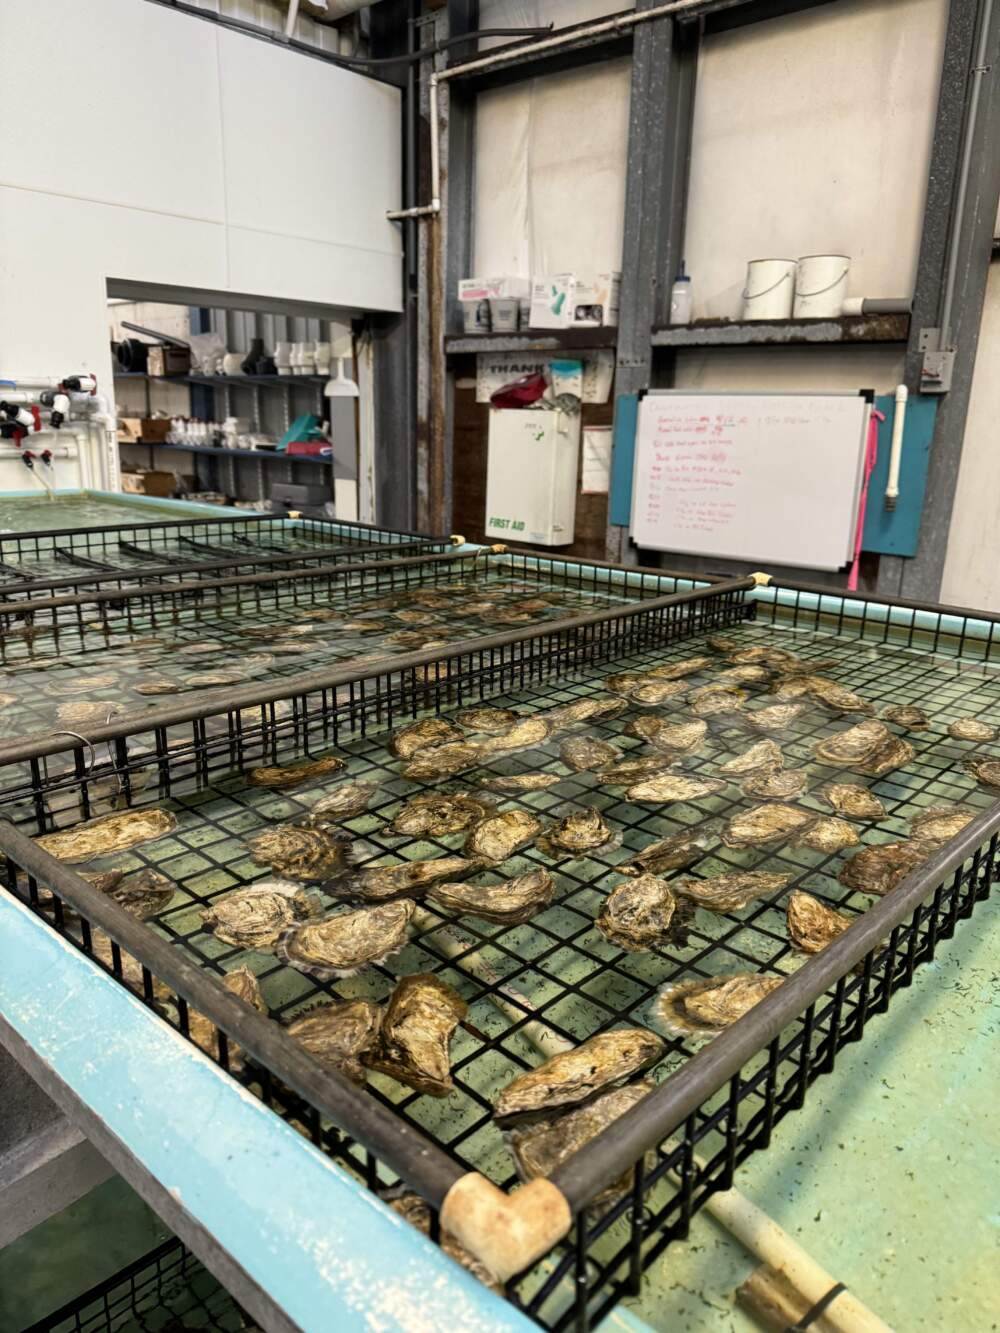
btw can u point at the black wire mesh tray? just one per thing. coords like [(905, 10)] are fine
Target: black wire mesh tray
[(555, 980)]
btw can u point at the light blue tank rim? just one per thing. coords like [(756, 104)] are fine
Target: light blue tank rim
[(878, 615), (325, 1250)]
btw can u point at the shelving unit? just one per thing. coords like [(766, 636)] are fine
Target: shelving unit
[(860, 330), (539, 340), (259, 455), (223, 381)]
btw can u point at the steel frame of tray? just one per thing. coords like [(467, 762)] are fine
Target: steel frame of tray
[(93, 551), (684, 1140)]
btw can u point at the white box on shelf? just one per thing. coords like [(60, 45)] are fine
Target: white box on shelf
[(544, 447), (475, 295), (552, 301), (596, 299)]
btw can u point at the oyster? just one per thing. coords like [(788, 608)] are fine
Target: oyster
[(574, 1077), (744, 675), (706, 1008), (80, 684), (110, 833), (583, 753), (675, 670), (777, 784), (414, 1039), (835, 696), (486, 719), (284, 776), (985, 771), (662, 734), (629, 770), (584, 710), (88, 712), (765, 823), (521, 782), (853, 801), (143, 894), (726, 893), (674, 853), (339, 1036), (443, 761), (382, 883), (755, 653), (880, 868), (624, 682), (653, 692), (507, 903), (938, 823), (208, 680), (419, 735), (524, 733), (722, 643), (343, 943), (811, 924), (202, 1031), (773, 717), (501, 835), (413, 1209), (638, 913), (829, 835), (714, 699), (539, 1149), (152, 685), (907, 717), (869, 747), (581, 832), (300, 851), (758, 759), (350, 798), (666, 787), (437, 816), (254, 917), (971, 729)]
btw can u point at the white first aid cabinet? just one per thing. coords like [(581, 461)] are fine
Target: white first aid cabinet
[(531, 475)]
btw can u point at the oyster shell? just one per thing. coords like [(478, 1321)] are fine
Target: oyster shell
[(629, 770), (242, 983), (382, 883), (443, 761), (436, 816), (343, 943), (143, 894), (486, 719), (868, 747), (722, 643), (938, 823), (907, 717), (829, 834), (880, 868), (300, 851), (282, 777), (110, 833), (774, 717), (972, 729), (638, 913), (759, 758), (584, 710), (653, 692), (81, 684), (755, 653), (847, 798), (539, 1149), (582, 831), (663, 734), (154, 686), (714, 699), (348, 799), (521, 782), (574, 1077), (413, 1044), (765, 823), (728, 892), (523, 734), (501, 835), (706, 1008), (255, 917), (624, 682), (339, 1035), (508, 903), (674, 853), (88, 712), (666, 787), (811, 924), (985, 771), (583, 753), (835, 696), (419, 735), (777, 784), (413, 1209), (744, 675), (675, 670)]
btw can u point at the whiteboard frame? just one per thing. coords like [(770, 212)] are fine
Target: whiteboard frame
[(868, 395)]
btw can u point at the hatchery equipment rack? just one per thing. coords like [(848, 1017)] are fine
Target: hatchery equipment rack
[(570, 1262)]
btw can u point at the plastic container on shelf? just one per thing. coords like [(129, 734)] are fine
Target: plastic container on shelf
[(681, 297)]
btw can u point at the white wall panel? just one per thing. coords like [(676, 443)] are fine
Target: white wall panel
[(302, 269)]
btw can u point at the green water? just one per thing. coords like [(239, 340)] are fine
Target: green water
[(30, 513)]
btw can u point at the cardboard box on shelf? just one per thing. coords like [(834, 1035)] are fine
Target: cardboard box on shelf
[(596, 299), (130, 430), (155, 429), (158, 484), (552, 301), (475, 294), (164, 360)]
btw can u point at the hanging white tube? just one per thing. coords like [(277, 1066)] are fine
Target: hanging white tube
[(896, 453)]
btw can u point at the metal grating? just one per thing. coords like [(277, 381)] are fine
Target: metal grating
[(555, 979)]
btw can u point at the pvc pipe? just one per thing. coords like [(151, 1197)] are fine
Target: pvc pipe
[(293, 13), (12, 452), (896, 455)]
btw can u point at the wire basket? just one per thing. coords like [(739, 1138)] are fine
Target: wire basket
[(169, 1288), (553, 981)]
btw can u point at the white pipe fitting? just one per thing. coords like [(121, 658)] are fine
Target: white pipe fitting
[(896, 452)]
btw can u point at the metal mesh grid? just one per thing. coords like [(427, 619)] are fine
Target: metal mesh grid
[(165, 1289), (557, 975)]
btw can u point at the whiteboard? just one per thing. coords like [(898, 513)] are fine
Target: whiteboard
[(761, 477)]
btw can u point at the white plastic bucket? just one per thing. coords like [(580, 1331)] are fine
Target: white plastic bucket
[(504, 314), (821, 286), (769, 290)]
